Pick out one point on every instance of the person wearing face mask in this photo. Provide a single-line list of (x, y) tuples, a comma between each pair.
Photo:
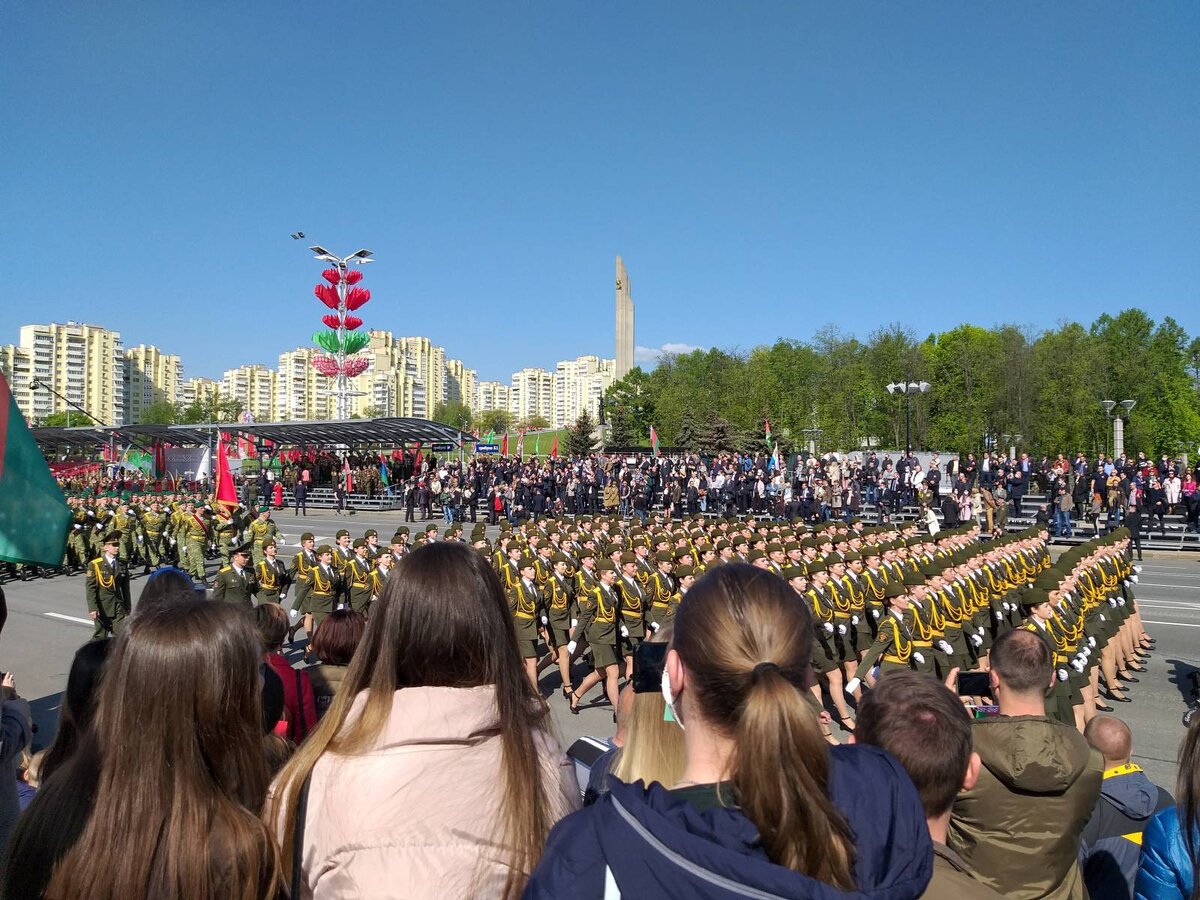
[(764, 805)]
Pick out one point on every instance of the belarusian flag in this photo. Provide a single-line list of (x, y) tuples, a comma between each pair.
[(554, 447), (653, 441), (767, 423), (383, 472), (33, 514), (226, 492)]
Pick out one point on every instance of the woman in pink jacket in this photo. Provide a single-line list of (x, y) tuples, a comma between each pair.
[(434, 773)]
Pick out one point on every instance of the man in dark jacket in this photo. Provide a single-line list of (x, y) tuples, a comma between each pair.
[(1018, 829), (1112, 840)]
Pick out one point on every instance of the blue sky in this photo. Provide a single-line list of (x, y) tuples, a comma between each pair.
[(764, 169)]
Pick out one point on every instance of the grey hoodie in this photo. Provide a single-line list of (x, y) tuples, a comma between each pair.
[(1112, 840)]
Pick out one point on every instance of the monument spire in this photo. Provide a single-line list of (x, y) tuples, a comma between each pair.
[(624, 322)]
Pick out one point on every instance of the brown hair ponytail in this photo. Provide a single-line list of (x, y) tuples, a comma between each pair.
[(746, 644)]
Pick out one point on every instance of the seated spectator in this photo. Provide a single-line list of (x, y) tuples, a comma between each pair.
[(1112, 840), (162, 797), (434, 773), (334, 644), (299, 704), (898, 716), (653, 748), (1018, 829), (1171, 842), (764, 805), (78, 706)]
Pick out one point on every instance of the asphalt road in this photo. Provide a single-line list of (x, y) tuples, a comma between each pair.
[(47, 621)]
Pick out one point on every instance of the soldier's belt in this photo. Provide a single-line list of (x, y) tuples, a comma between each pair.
[(657, 605), (521, 615), (894, 659), (922, 643), (842, 615)]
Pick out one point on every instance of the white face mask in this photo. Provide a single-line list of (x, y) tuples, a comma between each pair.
[(670, 699)]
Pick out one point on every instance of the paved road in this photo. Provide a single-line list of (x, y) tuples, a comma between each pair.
[(48, 621)]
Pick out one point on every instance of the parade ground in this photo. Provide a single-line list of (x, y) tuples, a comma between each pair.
[(47, 621)]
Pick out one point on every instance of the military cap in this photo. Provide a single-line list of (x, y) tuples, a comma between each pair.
[(263, 508), (244, 549), (894, 589), (113, 537), (342, 532), (359, 542), (605, 565), (526, 562), (627, 558), (1035, 596), (587, 553), (403, 529), (756, 554), (852, 556), (269, 542), (370, 533), (913, 579), (816, 566), (323, 549), (430, 528), (722, 545), (684, 571), (931, 570), (664, 556), (556, 558), (790, 572)]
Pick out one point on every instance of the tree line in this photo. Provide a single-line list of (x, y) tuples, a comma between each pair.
[(989, 388)]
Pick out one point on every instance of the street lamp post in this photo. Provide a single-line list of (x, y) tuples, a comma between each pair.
[(908, 388), (341, 388)]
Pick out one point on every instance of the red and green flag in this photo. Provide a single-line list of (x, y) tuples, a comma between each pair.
[(767, 424), (33, 514), (383, 471), (554, 447), (653, 441)]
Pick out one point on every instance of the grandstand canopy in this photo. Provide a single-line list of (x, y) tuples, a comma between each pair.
[(391, 432)]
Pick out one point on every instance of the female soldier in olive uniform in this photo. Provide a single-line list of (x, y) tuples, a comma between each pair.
[(893, 647), (599, 610), (559, 594), (525, 603), (272, 574)]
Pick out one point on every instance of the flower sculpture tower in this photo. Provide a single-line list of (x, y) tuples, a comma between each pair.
[(341, 294)]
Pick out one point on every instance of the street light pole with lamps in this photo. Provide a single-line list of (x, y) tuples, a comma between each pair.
[(341, 389), (908, 388), (1118, 422)]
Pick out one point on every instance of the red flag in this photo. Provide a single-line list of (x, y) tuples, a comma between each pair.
[(349, 476), (653, 441), (554, 448), (417, 460), (504, 445), (226, 492)]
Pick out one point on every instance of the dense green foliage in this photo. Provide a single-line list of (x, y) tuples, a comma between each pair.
[(987, 386)]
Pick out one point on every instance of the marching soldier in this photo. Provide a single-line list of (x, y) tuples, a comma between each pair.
[(360, 587), (662, 593), (373, 547), (325, 585), (381, 574), (154, 524), (272, 575), (235, 583), (262, 529), (107, 589), (894, 649), (342, 555), (633, 609), (525, 604), (196, 533), (599, 610)]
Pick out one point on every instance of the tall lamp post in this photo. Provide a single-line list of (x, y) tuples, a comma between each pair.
[(342, 391), (908, 388), (1118, 422)]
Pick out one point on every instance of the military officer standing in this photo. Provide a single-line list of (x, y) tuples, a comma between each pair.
[(108, 589), (235, 583)]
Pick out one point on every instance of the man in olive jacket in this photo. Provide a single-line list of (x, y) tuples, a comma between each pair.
[(1018, 829)]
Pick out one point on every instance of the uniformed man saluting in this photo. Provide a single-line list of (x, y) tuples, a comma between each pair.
[(108, 589), (235, 583)]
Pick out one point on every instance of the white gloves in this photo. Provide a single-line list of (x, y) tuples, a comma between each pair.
[(1000, 615), (1121, 602), (574, 622), (976, 640), (624, 632), (945, 648), (1112, 601), (1091, 641), (140, 541), (854, 620), (1062, 675), (1137, 569), (654, 626), (172, 540), (1102, 619), (284, 597), (545, 621), (570, 646), (828, 626), (1077, 665), (852, 685), (841, 629), (918, 658), (875, 613), (979, 631), (77, 526), (99, 526)]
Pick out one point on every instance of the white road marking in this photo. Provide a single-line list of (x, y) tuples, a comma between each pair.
[(69, 618), (1174, 587), (1180, 624), (1172, 604)]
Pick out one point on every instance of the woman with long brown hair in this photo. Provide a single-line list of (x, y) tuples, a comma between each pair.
[(764, 806), (162, 799), (433, 774)]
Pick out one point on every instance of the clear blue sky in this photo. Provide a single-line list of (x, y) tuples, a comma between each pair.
[(764, 168)]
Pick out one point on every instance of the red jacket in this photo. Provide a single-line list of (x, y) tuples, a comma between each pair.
[(298, 700)]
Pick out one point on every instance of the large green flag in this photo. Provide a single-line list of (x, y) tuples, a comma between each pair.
[(33, 514)]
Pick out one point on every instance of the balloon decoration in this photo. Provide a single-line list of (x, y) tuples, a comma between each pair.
[(343, 339)]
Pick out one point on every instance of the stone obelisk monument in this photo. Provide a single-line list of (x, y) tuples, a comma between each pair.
[(624, 322)]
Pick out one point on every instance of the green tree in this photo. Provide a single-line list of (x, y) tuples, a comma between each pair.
[(718, 437), (535, 423), (162, 413), (212, 410), (687, 437), (629, 409), (963, 373), (493, 420), (61, 419), (455, 414), (581, 437)]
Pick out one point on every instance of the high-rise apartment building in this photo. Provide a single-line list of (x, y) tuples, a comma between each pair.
[(391, 385), (431, 369), (491, 395), (461, 384), (255, 388), (531, 394), (85, 364), (578, 385), (151, 377), (200, 390), (301, 392)]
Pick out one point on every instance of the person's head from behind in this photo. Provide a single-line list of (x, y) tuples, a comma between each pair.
[(738, 670), (1022, 669), (178, 743), (652, 745), (167, 585), (1111, 738), (442, 622), (271, 625), (338, 637), (900, 714), (79, 704)]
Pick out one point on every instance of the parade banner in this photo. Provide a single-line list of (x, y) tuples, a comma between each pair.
[(33, 514)]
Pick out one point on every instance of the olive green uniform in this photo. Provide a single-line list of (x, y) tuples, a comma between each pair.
[(108, 595)]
